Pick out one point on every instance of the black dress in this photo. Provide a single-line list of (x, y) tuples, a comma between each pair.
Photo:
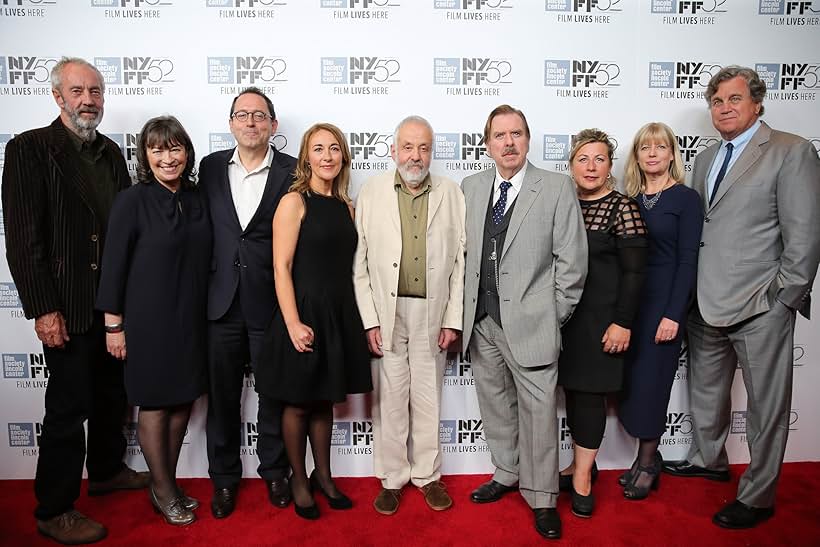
[(322, 274), (155, 273), (675, 224), (617, 258)]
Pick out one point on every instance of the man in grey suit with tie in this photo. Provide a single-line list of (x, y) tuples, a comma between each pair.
[(757, 262), (526, 262)]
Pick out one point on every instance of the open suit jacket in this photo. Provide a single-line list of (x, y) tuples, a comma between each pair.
[(760, 234), (243, 254), (543, 264), (378, 256), (54, 232)]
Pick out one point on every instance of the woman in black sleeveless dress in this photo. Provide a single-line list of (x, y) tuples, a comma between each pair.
[(598, 333), (315, 349)]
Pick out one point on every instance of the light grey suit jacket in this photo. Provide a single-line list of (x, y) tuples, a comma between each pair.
[(543, 264), (760, 234)]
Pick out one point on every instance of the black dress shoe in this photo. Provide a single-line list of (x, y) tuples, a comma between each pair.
[(490, 491), (340, 502), (565, 481), (738, 515), (311, 512), (279, 492), (683, 468), (223, 503), (548, 523), (582, 506)]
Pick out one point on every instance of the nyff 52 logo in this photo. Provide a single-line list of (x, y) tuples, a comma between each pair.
[(681, 74), (138, 71), (474, 71), (360, 70), (786, 7), (26, 70), (692, 145), (459, 146), (472, 4), (581, 73), (789, 76), (691, 7), (24, 365), (248, 70), (583, 6), (367, 145)]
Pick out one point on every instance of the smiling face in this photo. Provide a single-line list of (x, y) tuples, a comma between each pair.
[(590, 168), (250, 134), (733, 109), (167, 163), (413, 152), (80, 98), (508, 144), (655, 157), (324, 156)]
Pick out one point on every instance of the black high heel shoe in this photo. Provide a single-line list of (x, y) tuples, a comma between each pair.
[(565, 481), (626, 477), (634, 492), (311, 512), (582, 506), (340, 502)]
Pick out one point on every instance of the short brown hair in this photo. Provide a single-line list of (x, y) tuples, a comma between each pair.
[(164, 132), (498, 111), (757, 88)]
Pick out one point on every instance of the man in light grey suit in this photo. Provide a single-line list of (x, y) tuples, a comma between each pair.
[(757, 262), (525, 266)]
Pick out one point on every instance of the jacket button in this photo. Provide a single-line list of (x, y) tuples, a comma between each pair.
[(93, 237), (707, 219), (392, 294), (702, 244), (93, 266), (476, 274), (395, 265)]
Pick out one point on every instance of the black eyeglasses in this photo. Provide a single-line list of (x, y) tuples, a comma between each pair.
[(242, 116)]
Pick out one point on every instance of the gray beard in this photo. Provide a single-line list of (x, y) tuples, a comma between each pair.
[(85, 129), (411, 179)]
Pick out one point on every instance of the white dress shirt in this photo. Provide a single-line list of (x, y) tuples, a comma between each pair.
[(512, 192), (738, 144), (247, 187)]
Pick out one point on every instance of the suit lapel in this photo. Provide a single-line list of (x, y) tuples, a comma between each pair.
[(224, 188), (478, 209), (276, 176), (391, 202), (703, 166), (530, 189), (66, 159), (748, 158), (433, 200)]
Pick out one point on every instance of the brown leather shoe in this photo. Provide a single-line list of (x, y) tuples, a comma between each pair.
[(126, 479), (72, 528), (387, 502), (436, 496)]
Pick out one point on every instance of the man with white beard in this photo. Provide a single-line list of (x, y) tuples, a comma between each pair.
[(409, 280), (58, 186)]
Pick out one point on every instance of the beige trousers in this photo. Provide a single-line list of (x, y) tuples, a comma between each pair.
[(407, 402)]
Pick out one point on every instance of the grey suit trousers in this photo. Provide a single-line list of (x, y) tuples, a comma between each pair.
[(517, 407), (763, 346)]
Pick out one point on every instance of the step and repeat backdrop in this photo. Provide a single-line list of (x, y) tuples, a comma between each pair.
[(364, 65)]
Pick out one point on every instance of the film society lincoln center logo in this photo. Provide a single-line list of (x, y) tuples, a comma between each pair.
[(681, 79), (738, 424), (462, 435), (25, 435), (476, 76), (27, 370), (795, 82), (232, 74), (136, 75), (790, 13), (362, 75), (10, 300), (26, 74), (465, 151), (582, 78), (352, 438)]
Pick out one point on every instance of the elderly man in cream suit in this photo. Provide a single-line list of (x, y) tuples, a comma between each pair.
[(757, 263), (526, 264), (409, 281)]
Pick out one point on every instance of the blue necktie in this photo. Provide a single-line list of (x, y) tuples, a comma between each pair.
[(501, 204), (722, 173)]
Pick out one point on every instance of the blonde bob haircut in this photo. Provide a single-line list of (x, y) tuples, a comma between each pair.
[(655, 132), (303, 172)]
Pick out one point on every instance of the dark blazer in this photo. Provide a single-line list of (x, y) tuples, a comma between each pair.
[(242, 259), (54, 232)]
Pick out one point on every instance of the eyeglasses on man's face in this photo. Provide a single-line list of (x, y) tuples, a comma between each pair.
[(257, 115)]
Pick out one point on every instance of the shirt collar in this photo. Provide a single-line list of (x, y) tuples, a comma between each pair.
[(516, 181), (744, 137), (266, 163)]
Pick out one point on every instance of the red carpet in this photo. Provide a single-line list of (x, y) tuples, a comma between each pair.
[(678, 514)]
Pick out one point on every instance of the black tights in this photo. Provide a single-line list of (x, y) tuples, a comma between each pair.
[(647, 448), (300, 422), (161, 431)]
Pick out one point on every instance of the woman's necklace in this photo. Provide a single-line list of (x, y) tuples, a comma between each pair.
[(651, 202)]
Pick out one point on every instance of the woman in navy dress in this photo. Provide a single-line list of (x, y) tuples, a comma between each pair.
[(315, 350), (153, 290), (674, 217)]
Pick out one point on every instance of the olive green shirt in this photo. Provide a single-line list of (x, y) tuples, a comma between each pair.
[(413, 215)]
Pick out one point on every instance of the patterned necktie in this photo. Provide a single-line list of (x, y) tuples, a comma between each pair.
[(722, 172), (501, 204)]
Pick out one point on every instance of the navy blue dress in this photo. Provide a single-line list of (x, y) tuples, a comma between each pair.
[(155, 273), (675, 224)]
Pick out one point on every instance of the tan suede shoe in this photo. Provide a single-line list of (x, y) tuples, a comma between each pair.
[(387, 502), (436, 496), (72, 528)]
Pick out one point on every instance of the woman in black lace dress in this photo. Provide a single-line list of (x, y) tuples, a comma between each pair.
[(315, 349), (598, 333)]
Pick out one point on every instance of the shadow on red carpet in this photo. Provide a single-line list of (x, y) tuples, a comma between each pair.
[(678, 514)]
